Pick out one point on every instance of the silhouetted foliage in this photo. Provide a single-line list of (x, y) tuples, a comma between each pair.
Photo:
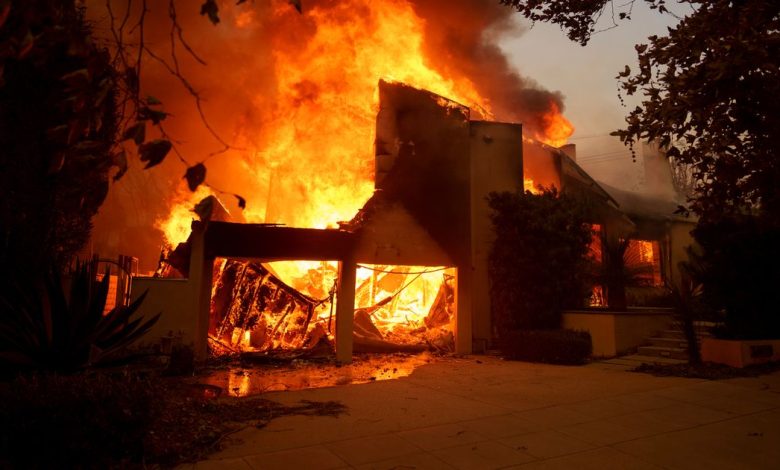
[(710, 87), (689, 306), (52, 328), (538, 264), (58, 125), (738, 268)]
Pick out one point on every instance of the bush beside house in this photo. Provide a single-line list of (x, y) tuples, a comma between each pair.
[(539, 266)]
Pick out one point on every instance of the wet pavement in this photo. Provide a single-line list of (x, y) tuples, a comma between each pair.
[(240, 380), (481, 412)]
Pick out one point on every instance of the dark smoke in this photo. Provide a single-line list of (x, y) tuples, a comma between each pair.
[(461, 40)]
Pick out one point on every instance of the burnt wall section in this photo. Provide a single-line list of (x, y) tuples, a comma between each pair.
[(388, 234), (422, 148)]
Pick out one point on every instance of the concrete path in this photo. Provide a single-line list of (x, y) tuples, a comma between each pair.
[(482, 412)]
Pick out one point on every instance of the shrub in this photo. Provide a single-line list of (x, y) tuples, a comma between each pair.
[(89, 421), (739, 260), (550, 346), (538, 264), (58, 126)]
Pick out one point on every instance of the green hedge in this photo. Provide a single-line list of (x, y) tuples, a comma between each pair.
[(539, 261), (550, 346)]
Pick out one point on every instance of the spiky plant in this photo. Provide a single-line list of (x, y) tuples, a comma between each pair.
[(51, 328)]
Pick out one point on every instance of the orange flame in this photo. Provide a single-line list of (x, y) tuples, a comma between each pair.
[(530, 186), (312, 160), (557, 129)]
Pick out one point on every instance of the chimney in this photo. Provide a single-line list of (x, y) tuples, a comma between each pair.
[(570, 150), (658, 172)]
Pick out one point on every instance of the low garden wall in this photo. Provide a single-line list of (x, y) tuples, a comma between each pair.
[(172, 297), (616, 333), (740, 353)]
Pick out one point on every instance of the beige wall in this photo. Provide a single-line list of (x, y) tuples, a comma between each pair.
[(738, 353), (174, 299), (616, 333), (496, 165)]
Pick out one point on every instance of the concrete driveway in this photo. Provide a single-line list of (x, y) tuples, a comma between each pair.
[(483, 412)]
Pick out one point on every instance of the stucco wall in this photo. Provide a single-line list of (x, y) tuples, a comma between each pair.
[(616, 333), (174, 299), (496, 165)]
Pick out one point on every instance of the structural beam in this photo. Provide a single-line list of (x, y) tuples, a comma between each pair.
[(345, 309)]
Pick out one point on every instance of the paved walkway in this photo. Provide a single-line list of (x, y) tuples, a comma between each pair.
[(482, 412)]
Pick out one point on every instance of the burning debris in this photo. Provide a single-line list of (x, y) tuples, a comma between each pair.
[(398, 309), (252, 308)]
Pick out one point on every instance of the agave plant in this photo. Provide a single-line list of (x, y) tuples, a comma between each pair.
[(48, 328)]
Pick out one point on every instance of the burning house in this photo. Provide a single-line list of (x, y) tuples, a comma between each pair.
[(408, 272), (347, 246)]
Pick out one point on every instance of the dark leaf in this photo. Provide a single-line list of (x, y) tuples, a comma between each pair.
[(86, 147), (58, 134), (210, 9), (154, 152), (148, 114), (297, 5), (195, 175), (120, 160), (76, 130), (56, 162), (136, 132), (76, 79), (204, 208), (152, 101), (241, 201), (4, 10)]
